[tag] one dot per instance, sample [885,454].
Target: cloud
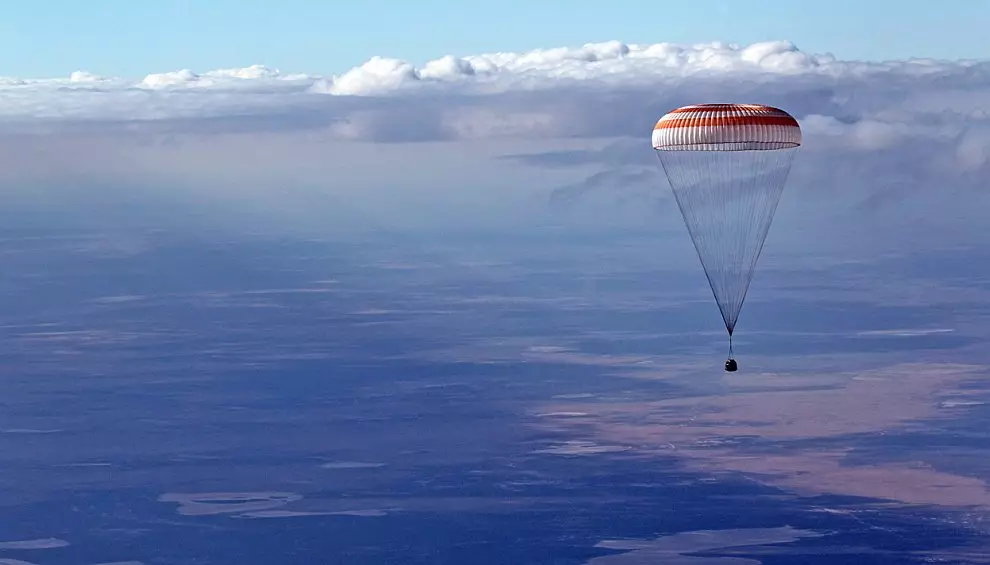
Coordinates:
[875,132]
[599,89]
[605,90]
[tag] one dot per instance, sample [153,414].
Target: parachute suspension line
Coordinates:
[728,199]
[730,345]
[684,214]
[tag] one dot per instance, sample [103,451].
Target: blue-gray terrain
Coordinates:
[205,397]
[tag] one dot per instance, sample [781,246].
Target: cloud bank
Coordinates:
[874,131]
[598,90]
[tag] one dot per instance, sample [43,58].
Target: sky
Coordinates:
[132,39]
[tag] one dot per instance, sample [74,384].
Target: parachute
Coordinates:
[727,165]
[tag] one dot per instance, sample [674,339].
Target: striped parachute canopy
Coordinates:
[727,165]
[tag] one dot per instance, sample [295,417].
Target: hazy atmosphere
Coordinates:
[448,312]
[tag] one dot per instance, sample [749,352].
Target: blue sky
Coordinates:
[128,38]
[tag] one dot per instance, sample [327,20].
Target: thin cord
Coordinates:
[728,200]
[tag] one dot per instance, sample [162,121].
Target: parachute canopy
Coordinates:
[726,127]
[727,165]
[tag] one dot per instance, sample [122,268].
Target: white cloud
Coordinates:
[374,77]
[652,78]
[874,131]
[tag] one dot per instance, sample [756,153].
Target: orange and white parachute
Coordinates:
[727,165]
[726,127]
